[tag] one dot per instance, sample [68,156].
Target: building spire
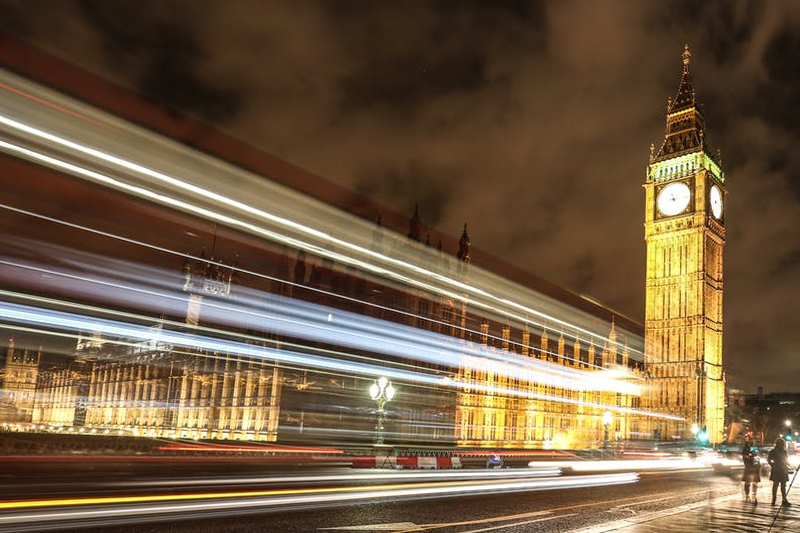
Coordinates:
[415,225]
[685,130]
[685,98]
[463,246]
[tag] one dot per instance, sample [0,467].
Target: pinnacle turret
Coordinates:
[415,225]
[463,246]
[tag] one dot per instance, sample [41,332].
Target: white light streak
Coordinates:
[389,338]
[135,508]
[477,293]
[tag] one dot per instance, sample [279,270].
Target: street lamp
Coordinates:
[381,391]
[606,422]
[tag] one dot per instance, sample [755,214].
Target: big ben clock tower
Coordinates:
[685,193]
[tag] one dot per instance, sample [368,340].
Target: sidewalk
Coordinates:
[722,515]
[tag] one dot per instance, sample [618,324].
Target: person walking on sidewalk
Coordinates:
[779,461]
[752,469]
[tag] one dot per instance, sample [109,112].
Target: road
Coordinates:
[338,499]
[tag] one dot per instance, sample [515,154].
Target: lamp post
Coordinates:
[381,391]
[606,422]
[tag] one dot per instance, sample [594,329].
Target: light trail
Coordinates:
[125,158]
[313,322]
[360,476]
[261,448]
[193,165]
[628,465]
[75,512]
[233,222]
[46,318]
[260,231]
[91,263]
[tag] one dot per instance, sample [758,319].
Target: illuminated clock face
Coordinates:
[673,199]
[715,199]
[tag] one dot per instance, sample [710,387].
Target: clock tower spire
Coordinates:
[685,129]
[685,189]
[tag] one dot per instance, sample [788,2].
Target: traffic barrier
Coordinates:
[408,462]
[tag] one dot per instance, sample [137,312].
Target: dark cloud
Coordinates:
[166,57]
[14,20]
[582,274]
[531,121]
[410,186]
[172,78]
[402,83]
[419,51]
[777,96]
[729,28]
[788,265]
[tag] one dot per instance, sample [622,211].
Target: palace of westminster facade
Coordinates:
[162,389]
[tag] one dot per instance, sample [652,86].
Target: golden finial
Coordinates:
[686,55]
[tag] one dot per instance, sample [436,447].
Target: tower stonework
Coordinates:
[685,191]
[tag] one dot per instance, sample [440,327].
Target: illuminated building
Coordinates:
[19,380]
[534,412]
[544,414]
[685,190]
[156,388]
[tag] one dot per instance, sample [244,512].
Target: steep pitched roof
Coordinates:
[685,130]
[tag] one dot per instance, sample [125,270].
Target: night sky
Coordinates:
[530,121]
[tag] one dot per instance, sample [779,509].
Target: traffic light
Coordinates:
[702,435]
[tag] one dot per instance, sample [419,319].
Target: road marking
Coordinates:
[648,500]
[645,499]
[397,526]
[407,527]
[514,524]
[428,527]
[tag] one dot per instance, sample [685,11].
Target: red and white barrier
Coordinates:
[406,462]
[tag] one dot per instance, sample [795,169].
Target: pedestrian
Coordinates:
[752,470]
[779,461]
